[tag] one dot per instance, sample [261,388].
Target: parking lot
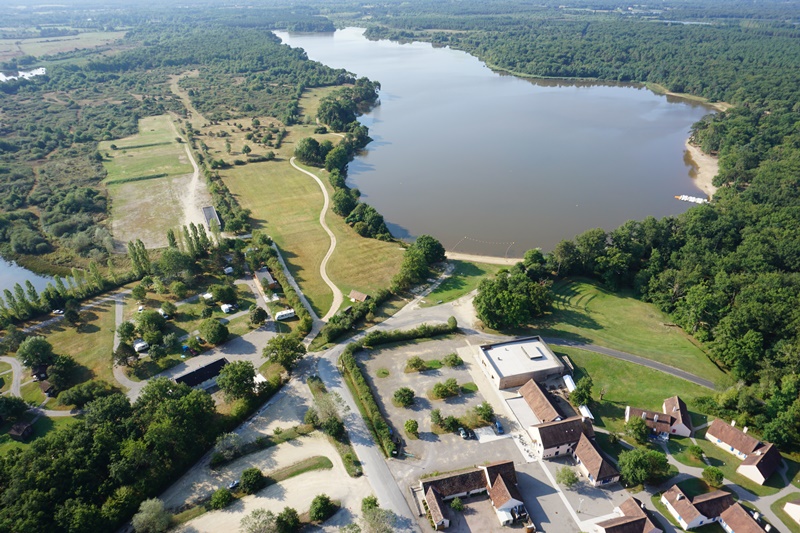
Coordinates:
[438,453]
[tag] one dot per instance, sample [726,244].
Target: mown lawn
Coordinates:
[154,150]
[465,278]
[586,312]
[92,345]
[625,384]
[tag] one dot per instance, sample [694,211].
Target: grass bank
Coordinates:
[586,312]
[624,383]
[465,279]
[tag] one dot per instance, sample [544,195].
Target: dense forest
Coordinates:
[727,272]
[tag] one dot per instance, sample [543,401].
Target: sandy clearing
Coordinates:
[297,492]
[704,168]
[196,194]
[487,259]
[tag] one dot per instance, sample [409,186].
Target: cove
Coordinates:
[493,164]
[11,274]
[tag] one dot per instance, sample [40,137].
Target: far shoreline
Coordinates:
[704,168]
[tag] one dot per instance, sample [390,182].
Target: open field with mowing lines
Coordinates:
[629,384]
[586,312]
[146,208]
[10,48]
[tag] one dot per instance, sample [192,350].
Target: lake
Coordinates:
[11,274]
[494,164]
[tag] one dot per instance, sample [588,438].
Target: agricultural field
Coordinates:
[151,183]
[625,384]
[10,48]
[584,311]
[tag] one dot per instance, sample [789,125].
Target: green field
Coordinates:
[586,312]
[92,345]
[10,48]
[628,384]
[465,278]
[152,151]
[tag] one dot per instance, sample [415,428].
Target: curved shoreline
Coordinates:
[486,259]
[704,168]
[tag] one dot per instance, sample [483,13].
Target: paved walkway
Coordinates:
[16,378]
[338,297]
[616,354]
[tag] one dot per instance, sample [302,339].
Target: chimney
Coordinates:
[644,416]
[680,497]
[655,418]
[744,430]
[733,423]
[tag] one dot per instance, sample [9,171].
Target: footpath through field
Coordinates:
[338,297]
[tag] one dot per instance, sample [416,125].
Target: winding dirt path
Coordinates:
[338,297]
[196,195]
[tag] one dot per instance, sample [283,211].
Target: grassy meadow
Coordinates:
[154,150]
[10,48]
[586,312]
[465,279]
[629,384]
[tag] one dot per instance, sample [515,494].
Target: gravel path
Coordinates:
[338,297]
[16,378]
[196,194]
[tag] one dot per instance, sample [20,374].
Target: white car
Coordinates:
[141,308]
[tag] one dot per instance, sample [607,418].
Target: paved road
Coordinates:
[316,322]
[616,354]
[338,297]
[16,376]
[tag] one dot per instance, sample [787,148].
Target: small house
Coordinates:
[39,372]
[759,459]
[674,420]
[205,376]
[268,281]
[736,519]
[356,296]
[47,388]
[792,508]
[559,437]
[21,431]
[632,519]
[698,511]
[539,401]
[593,464]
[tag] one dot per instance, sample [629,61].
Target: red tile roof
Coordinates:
[741,441]
[740,521]
[538,401]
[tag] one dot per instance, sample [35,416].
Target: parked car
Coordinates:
[141,308]
[140,346]
[233,485]
[58,311]
[163,314]
[499,427]
[470,434]
[463,433]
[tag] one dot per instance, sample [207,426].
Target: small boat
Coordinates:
[692,199]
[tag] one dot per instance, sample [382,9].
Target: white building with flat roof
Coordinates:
[513,363]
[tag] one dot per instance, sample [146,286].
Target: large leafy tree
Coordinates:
[286,350]
[237,379]
[511,300]
[641,465]
[36,351]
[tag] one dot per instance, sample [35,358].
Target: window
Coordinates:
[557,452]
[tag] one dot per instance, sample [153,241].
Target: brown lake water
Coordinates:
[494,164]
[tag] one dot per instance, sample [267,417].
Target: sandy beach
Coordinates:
[704,168]
[489,260]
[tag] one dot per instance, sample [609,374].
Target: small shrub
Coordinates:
[252,481]
[322,508]
[446,389]
[450,423]
[713,476]
[485,412]
[457,505]
[567,477]
[403,397]
[695,451]
[452,360]
[436,417]
[412,428]
[221,498]
[416,364]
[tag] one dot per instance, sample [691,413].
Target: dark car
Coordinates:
[470,434]
[499,427]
